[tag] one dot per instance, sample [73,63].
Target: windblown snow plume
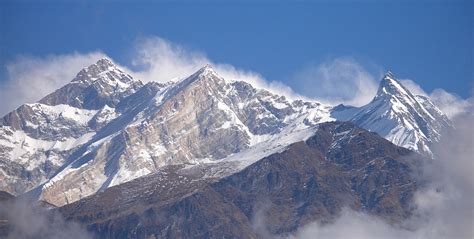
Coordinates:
[31,78]
[341,80]
[157,59]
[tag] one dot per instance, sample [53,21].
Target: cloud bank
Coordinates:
[352,224]
[27,221]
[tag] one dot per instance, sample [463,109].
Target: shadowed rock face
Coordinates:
[340,166]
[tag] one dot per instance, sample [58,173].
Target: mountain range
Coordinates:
[136,160]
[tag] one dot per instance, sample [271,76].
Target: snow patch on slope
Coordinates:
[80,116]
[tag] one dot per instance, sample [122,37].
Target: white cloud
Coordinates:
[342,80]
[449,103]
[445,205]
[351,224]
[161,60]
[31,78]
[28,220]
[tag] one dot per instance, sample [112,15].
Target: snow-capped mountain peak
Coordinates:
[99,84]
[105,72]
[389,74]
[391,87]
[206,69]
[101,65]
[395,113]
[105,62]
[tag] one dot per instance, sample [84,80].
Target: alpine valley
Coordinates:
[204,156]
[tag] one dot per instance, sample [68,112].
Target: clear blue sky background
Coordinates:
[428,41]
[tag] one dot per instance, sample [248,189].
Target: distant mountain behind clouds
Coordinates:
[105,128]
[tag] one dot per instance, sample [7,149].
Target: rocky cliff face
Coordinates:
[202,118]
[341,165]
[105,128]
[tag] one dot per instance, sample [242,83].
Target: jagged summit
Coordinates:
[105,62]
[103,69]
[388,75]
[207,66]
[205,71]
[102,83]
[388,80]
[390,86]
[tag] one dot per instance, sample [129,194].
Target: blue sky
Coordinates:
[430,42]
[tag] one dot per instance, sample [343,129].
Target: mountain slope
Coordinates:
[341,165]
[199,119]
